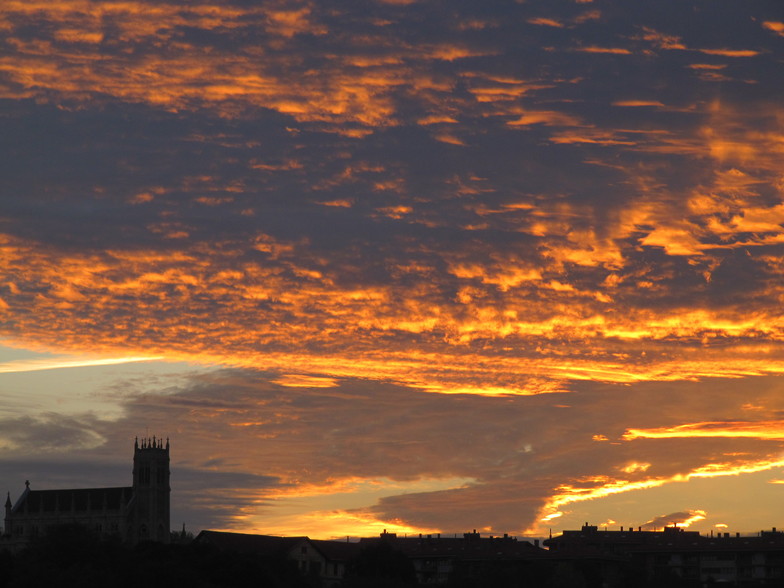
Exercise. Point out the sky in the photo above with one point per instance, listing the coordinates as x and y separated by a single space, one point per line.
416 265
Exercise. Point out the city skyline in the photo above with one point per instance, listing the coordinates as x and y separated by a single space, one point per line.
416 265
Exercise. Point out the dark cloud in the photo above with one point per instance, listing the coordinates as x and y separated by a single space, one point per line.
673 519
49 433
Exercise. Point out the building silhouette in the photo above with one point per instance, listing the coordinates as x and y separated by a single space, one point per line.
674 556
135 513
428 559
322 560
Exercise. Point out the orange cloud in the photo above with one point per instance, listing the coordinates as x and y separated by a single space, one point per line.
547 117
175 80
775 26
754 430
611 50
304 381
655 103
635 467
707 65
730 52
548 22
437 119
602 486
339 203
661 40
448 138
678 519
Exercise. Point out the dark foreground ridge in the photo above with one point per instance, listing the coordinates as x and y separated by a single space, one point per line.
74 555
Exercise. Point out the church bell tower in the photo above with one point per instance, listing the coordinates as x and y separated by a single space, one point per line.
149 519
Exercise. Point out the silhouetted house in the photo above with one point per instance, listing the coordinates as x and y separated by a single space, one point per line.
311 558
590 540
133 513
676 554
338 555
721 558
437 558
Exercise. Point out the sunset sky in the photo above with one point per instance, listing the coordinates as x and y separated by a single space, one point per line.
416 265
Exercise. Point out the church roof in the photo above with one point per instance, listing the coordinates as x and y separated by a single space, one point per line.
81 499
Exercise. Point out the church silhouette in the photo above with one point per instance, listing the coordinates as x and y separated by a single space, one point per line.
133 513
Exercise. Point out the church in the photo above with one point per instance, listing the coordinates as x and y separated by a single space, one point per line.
133 513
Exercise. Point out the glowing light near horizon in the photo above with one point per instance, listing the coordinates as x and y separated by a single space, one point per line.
299 508
334 524
568 494
752 430
33 365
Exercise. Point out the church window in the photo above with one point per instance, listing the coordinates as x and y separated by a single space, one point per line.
144 475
